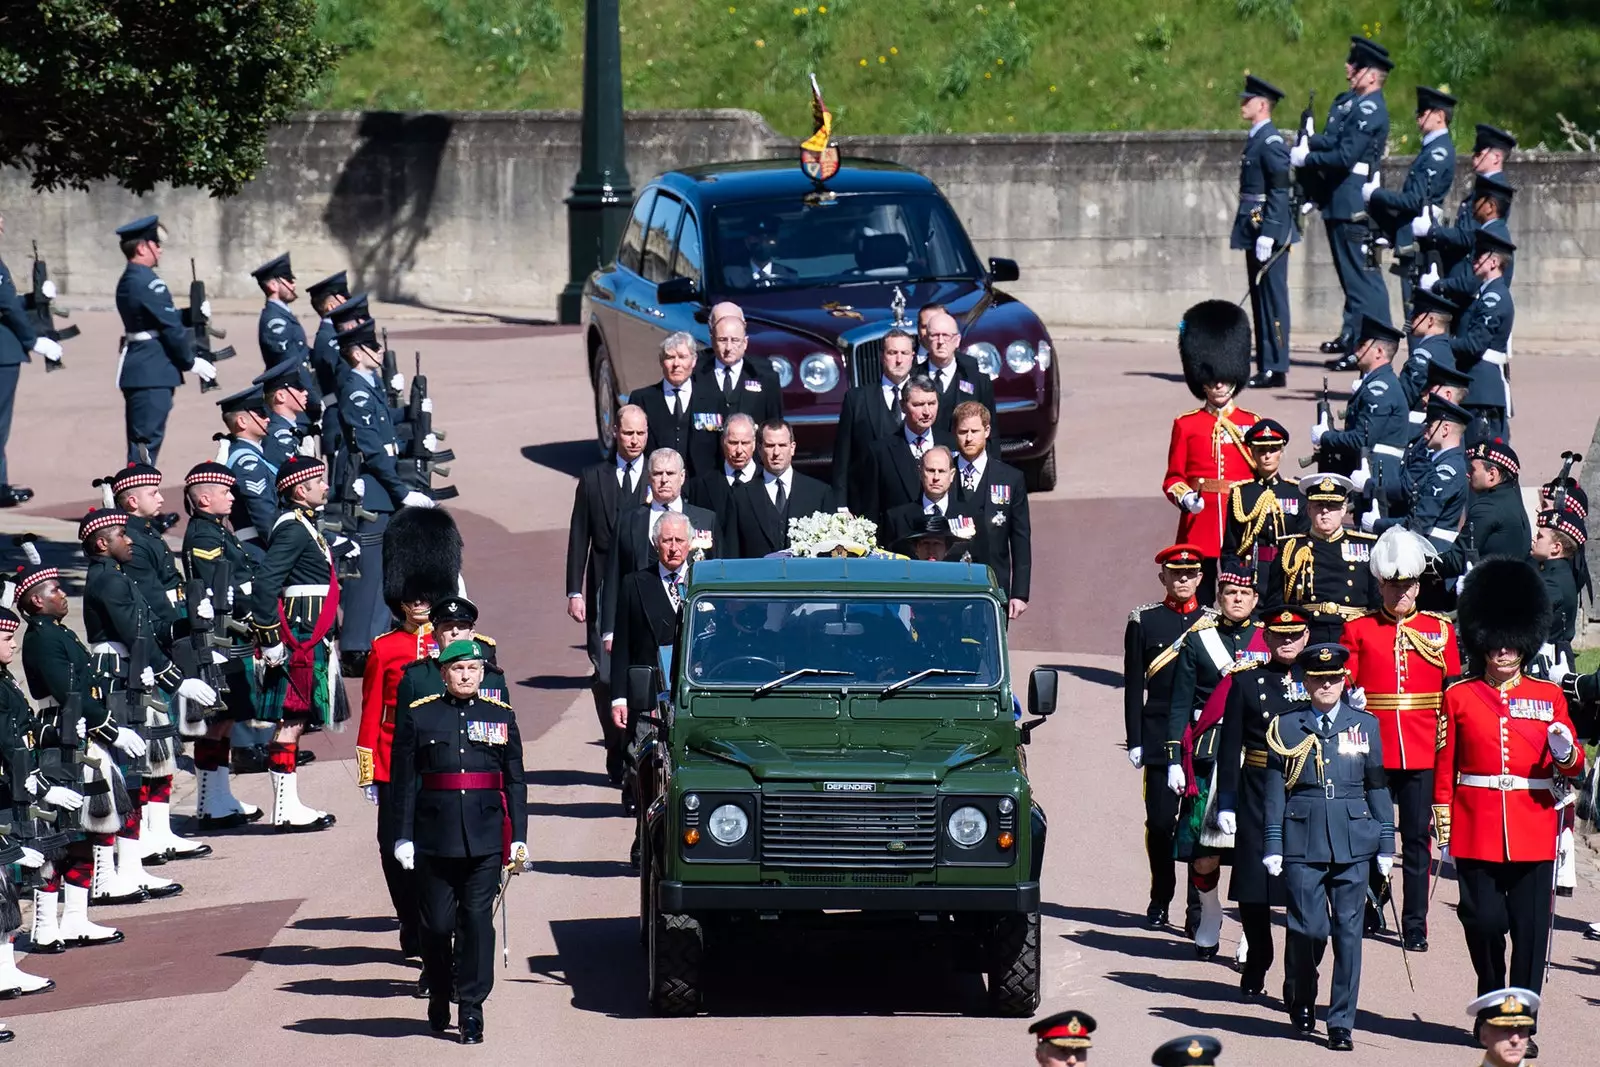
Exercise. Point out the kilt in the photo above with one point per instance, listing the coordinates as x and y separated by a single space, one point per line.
1250 883
327 699
1187 844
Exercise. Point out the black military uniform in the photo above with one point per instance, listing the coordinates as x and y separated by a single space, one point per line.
1561 584
1150 647
461 799
1264 510
422 678
1328 815
1497 523
1327 576
151 568
207 544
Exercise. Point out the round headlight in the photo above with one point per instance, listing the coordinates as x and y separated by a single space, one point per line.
988 357
967 826
691 802
728 824
1007 805
783 370
1046 354
1019 356
819 372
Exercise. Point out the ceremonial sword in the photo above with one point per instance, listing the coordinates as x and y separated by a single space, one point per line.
1405 958
1263 271
512 868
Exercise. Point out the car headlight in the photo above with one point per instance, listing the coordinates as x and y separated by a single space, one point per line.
819 372
783 370
728 824
967 826
988 357
1019 356
1046 354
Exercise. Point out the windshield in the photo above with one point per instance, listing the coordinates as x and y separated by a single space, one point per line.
872 642
789 243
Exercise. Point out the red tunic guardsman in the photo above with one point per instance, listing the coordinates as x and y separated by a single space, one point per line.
1506 753
1207 456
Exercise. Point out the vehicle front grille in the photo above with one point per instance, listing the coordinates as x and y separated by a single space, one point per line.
866 362
849 831
848 878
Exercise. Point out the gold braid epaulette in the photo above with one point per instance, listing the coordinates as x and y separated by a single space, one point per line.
1294 759
1427 646
1297 558
1266 506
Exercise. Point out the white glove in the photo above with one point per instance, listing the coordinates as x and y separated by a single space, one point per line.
1318 430
346 547
1356 697
1560 742
1430 280
205 308
1370 519
430 441
83 729
1421 225
427 404
1227 822
1385 865
519 852
147 678
275 656
1368 188
48 289
414 499
1307 208
1311 126
129 743
204 611
197 692
371 792
61 797
1192 502
406 854
31 858
1273 864
1298 154
1175 778
1264 248
1461 583
1559 669
1361 475
360 487
204 369
397 382
1135 754
47 348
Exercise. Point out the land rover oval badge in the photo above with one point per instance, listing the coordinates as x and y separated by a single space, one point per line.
897 846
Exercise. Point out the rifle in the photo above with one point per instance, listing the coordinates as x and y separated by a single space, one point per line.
193 654
196 319
42 309
344 511
1380 498
1299 193
391 367
138 700
423 463
1324 414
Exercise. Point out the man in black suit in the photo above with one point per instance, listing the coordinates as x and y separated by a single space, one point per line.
713 490
997 494
603 490
762 508
649 600
744 385
938 470
872 412
682 417
891 475
956 375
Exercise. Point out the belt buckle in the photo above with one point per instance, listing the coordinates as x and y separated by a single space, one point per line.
1329 789
1506 781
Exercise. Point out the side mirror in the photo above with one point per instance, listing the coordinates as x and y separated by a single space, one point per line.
1041 691
1003 270
678 291
641 689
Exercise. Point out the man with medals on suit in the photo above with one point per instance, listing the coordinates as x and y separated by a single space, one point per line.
1216 645
762 508
649 605
714 489
603 491
1325 569
679 415
955 375
1263 224
872 412
1401 659
1267 508
1259 693
998 493
938 472
1328 815
890 476
1506 762
734 382
1150 647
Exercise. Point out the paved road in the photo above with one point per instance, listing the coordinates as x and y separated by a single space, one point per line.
279 947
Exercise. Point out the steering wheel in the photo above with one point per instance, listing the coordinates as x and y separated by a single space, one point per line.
764 661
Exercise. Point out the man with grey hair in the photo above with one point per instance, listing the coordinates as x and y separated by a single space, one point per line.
892 474
713 489
955 374
673 405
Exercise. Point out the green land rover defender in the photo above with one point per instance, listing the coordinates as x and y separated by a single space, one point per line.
839 735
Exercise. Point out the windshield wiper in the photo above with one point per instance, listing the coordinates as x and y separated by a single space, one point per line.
785 679
943 672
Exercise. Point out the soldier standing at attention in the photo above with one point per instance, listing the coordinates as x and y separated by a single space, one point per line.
1426 185
1377 422
157 346
1440 495
1207 455
460 797
280 334
1150 648
286 400
326 365
255 498
17 339
1267 508
1328 815
1325 569
1263 224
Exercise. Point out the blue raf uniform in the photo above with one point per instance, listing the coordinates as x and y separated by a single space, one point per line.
1348 154
281 337
1417 374
1377 420
327 367
17 339
1439 496
1482 345
157 346
255 496
1427 183
283 433
1264 212
1456 245
1328 814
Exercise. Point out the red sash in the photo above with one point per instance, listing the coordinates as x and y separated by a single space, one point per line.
302 665
1210 714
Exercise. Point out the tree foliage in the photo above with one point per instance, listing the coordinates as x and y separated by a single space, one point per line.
146 91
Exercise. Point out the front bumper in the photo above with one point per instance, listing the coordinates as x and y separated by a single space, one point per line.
680 897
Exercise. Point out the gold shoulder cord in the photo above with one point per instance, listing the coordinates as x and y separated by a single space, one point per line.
1427 646
1266 507
1294 759
1299 568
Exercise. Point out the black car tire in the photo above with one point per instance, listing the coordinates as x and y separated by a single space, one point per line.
605 397
1014 966
1040 474
677 948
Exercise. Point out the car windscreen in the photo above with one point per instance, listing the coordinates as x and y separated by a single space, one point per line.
862 238
862 642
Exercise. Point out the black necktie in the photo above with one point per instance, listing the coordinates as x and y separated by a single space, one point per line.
672 404
727 385
781 500
1326 722
738 477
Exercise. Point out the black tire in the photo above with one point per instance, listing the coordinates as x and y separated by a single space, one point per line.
605 397
646 873
1040 474
677 950
1014 966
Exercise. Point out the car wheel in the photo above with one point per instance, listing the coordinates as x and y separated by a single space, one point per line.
677 948
1040 474
605 398
1014 965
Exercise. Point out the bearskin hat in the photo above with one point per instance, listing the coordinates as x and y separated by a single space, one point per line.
421 556
1214 344
1503 604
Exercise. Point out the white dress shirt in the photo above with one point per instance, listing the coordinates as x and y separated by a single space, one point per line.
684 391
935 507
658 509
912 439
748 471
725 369
628 473
772 480
891 393
977 467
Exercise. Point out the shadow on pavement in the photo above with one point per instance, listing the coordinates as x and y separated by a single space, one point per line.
313 956
1093 916
603 963
364 924
1158 375
1412 1029
1210 1019
390 1027
579 810
566 457
586 868
355 987
566 777
556 681
1184 988
1155 947
1093 675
